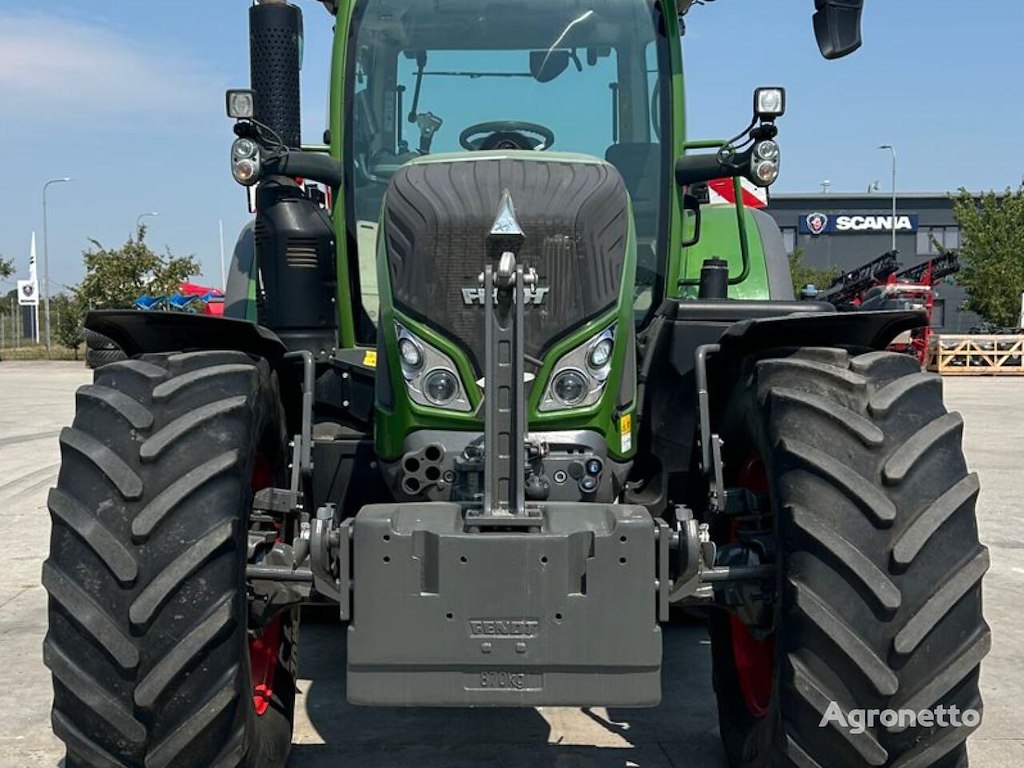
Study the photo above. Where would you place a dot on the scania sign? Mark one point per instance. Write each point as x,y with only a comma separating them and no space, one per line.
846,223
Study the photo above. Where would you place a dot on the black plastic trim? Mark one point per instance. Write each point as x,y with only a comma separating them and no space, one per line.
142,332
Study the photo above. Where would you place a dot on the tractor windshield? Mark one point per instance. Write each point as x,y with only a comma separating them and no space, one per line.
462,75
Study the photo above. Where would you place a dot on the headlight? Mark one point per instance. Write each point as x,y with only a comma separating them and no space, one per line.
246,162
599,356
412,355
767,150
430,375
440,387
579,377
244,148
570,387
765,173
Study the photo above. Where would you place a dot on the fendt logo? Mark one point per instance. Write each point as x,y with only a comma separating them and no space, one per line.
817,223
504,627
475,296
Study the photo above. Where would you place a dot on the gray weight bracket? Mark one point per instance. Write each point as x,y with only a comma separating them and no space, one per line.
565,615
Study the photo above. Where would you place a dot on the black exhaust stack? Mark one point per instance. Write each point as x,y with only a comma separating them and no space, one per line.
275,46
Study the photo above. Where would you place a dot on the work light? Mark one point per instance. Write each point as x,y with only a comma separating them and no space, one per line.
241,104
769,103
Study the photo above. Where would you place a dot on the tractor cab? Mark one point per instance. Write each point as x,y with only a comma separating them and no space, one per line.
424,79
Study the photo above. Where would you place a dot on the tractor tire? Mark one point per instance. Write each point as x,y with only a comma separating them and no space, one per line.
878,600
96,340
97,358
148,639
101,350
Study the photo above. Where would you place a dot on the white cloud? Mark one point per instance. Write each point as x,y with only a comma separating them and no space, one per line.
54,70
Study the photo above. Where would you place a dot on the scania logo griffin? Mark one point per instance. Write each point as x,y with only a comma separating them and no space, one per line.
533,294
855,223
817,223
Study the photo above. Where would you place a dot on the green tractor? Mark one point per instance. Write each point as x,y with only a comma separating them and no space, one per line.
506,394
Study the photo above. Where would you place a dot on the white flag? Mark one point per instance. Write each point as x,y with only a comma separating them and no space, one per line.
32,261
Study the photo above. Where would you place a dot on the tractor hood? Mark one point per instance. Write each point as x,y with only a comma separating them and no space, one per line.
574,212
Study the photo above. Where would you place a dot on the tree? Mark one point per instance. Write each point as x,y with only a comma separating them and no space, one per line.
992,253
6,268
114,279
69,329
804,275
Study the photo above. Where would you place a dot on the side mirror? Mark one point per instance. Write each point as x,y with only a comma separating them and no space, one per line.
691,212
683,7
837,27
545,66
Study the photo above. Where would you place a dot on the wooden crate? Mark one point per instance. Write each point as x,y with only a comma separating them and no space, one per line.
976,355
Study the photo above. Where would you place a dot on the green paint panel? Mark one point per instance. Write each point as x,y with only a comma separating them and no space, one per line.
720,239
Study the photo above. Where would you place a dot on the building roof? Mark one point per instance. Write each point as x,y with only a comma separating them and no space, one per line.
861,195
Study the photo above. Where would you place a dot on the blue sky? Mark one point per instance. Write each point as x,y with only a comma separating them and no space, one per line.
127,97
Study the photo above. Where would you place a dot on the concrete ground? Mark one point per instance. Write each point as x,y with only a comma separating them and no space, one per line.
36,399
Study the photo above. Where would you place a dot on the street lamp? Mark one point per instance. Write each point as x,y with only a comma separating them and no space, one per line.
46,257
138,221
892,149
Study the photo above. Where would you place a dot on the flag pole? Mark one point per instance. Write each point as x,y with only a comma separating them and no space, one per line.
35,281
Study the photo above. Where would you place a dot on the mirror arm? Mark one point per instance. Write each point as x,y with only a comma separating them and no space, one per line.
696,169
314,166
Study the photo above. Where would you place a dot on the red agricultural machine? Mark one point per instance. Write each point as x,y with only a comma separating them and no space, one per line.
880,285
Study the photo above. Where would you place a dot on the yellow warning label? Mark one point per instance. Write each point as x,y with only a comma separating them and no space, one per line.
626,433
370,358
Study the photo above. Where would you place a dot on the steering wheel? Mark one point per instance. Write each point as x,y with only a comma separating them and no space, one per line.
506,134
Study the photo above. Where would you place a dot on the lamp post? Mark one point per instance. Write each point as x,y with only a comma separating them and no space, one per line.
46,257
892,149
138,221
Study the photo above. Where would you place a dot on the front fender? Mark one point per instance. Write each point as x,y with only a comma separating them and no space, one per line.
146,332
873,330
